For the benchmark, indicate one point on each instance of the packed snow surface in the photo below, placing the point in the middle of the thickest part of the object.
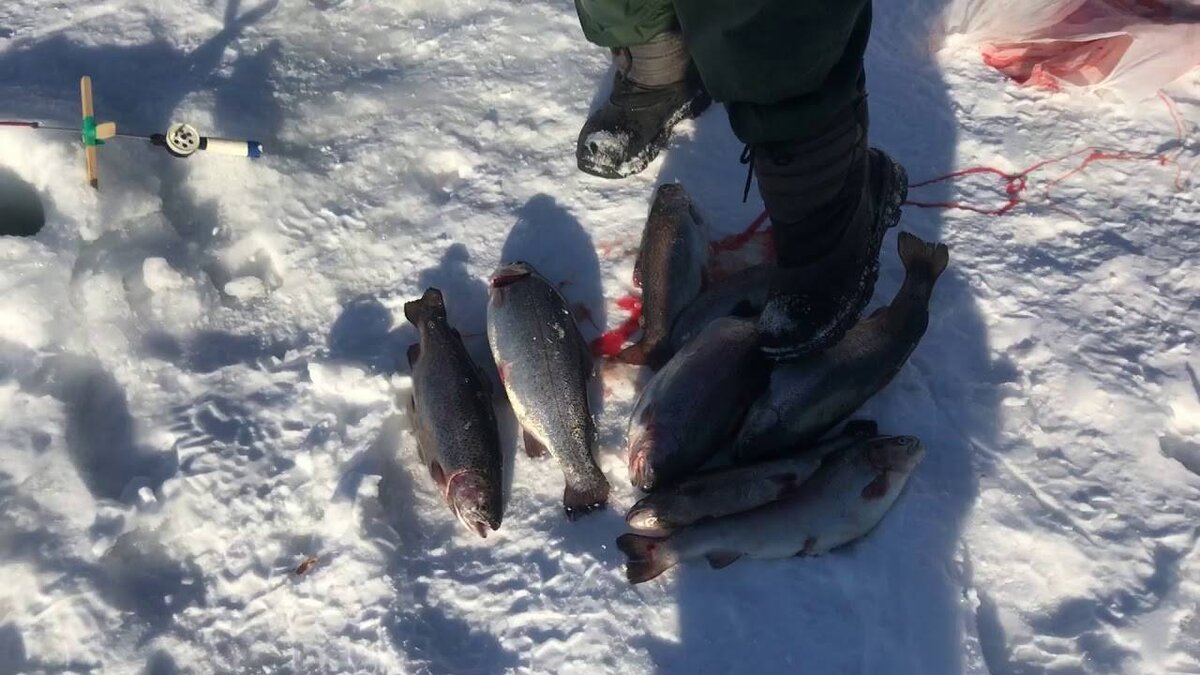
(200, 363)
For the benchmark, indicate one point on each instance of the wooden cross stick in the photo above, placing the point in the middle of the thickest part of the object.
(94, 134)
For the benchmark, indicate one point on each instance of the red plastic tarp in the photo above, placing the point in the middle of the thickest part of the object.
(1131, 48)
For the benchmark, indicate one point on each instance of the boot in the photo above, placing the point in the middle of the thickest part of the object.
(655, 88)
(831, 200)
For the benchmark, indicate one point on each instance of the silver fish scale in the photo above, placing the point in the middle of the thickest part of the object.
(695, 400)
(831, 510)
(748, 287)
(671, 261)
(545, 365)
(453, 415)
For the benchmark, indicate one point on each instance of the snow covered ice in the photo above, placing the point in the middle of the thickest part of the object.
(197, 386)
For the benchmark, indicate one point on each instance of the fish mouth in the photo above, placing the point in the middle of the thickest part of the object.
(510, 274)
(469, 496)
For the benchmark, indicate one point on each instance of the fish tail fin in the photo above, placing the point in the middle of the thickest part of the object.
(647, 557)
(429, 306)
(921, 258)
(583, 497)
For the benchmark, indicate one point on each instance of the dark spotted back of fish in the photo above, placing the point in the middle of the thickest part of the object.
(670, 269)
(742, 295)
(453, 419)
(809, 396)
(545, 365)
(693, 404)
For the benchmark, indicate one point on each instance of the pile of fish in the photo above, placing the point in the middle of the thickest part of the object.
(783, 491)
(544, 365)
(733, 450)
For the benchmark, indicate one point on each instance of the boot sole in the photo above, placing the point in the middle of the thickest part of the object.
(895, 186)
(638, 163)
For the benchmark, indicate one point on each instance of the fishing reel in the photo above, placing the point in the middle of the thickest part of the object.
(182, 140)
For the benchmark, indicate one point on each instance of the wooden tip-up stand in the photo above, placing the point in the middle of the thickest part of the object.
(93, 134)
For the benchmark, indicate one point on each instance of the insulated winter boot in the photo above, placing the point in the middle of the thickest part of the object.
(831, 200)
(655, 88)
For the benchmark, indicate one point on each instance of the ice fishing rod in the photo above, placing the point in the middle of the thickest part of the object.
(180, 140)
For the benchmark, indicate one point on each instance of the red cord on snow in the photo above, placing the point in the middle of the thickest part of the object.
(609, 344)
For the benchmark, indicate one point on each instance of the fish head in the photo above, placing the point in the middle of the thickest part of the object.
(641, 473)
(646, 516)
(474, 502)
(894, 453)
(510, 273)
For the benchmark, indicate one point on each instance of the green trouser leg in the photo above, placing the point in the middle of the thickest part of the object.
(783, 68)
(624, 23)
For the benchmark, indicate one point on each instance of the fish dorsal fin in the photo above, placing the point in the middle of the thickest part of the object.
(414, 353)
(721, 559)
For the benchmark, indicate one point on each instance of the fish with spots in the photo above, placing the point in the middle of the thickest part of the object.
(545, 366)
(452, 417)
(843, 501)
(742, 294)
(811, 395)
(693, 405)
(728, 490)
(670, 269)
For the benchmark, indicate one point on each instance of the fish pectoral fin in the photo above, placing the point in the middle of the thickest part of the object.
(861, 429)
(414, 353)
(720, 559)
(534, 447)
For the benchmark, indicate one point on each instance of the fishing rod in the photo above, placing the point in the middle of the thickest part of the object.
(180, 140)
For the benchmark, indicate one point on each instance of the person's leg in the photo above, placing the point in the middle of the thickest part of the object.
(654, 89)
(623, 23)
(790, 73)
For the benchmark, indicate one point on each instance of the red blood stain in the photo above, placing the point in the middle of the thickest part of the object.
(502, 370)
(738, 240)
(609, 344)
